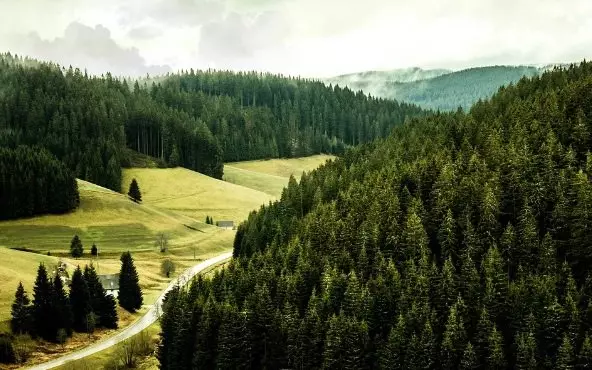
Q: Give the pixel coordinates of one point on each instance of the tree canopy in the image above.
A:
(460, 241)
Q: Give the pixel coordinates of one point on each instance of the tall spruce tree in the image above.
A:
(130, 293)
(80, 301)
(42, 311)
(62, 310)
(21, 312)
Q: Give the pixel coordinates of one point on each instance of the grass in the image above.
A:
(175, 202)
(18, 266)
(272, 175)
(284, 167)
(117, 224)
(194, 195)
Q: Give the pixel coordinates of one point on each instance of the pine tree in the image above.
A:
(76, 249)
(469, 358)
(61, 307)
(130, 293)
(42, 311)
(565, 355)
(526, 352)
(495, 351)
(80, 300)
(174, 159)
(584, 358)
(94, 251)
(108, 309)
(21, 311)
(134, 191)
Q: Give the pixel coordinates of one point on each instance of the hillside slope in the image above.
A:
(194, 195)
(446, 91)
(271, 176)
(461, 241)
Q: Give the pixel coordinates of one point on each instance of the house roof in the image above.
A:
(110, 282)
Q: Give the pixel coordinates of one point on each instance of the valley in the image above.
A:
(175, 203)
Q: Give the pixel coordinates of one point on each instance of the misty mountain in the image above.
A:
(444, 90)
(395, 75)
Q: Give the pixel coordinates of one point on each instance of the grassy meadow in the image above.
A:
(194, 195)
(271, 175)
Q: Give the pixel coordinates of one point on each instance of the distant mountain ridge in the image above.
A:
(395, 75)
(438, 89)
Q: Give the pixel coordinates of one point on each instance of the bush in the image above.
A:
(167, 267)
(22, 346)
(7, 352)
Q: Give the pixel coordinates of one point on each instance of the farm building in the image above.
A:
(225, 224)
(110, 284)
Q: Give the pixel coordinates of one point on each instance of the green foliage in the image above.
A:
(130, 293)
(80, 300)
(167, 267)
(34, 182)
(76, 249)
(134, 191)
(196, 120)
(458, 228)
(7, 351)
(444, 90)
(21, 312)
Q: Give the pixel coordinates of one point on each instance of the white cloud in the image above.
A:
(318, 38)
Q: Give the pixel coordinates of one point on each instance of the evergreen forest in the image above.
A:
(194, 119)
(461, 241)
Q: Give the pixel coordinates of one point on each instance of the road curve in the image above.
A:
(142, 323)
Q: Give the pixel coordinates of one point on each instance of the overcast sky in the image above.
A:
(312, 38)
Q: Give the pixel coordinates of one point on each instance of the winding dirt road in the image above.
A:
(142, 323)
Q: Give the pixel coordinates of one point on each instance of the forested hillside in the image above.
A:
(461, 241)
(256, 115)
(194, 119)
(446, 91)
(32, 181)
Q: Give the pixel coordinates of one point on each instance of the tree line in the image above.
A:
(461, 241)
(54, 315)
(32, 181)
(192, 119)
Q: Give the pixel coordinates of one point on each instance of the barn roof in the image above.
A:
(110, 282)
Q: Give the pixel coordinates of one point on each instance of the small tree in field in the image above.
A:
(162, 243)
(134, 191)
(167, 267)
(76, 249)
(94, 251)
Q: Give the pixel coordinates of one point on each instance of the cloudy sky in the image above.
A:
(312, 38)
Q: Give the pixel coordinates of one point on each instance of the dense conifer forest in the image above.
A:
(193, 119)
(32, 181)
(460, 241)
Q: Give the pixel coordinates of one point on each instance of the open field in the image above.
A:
(194, 195)
(272, 175)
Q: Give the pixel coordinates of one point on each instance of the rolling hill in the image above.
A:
(445, 90)
(271, 176)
